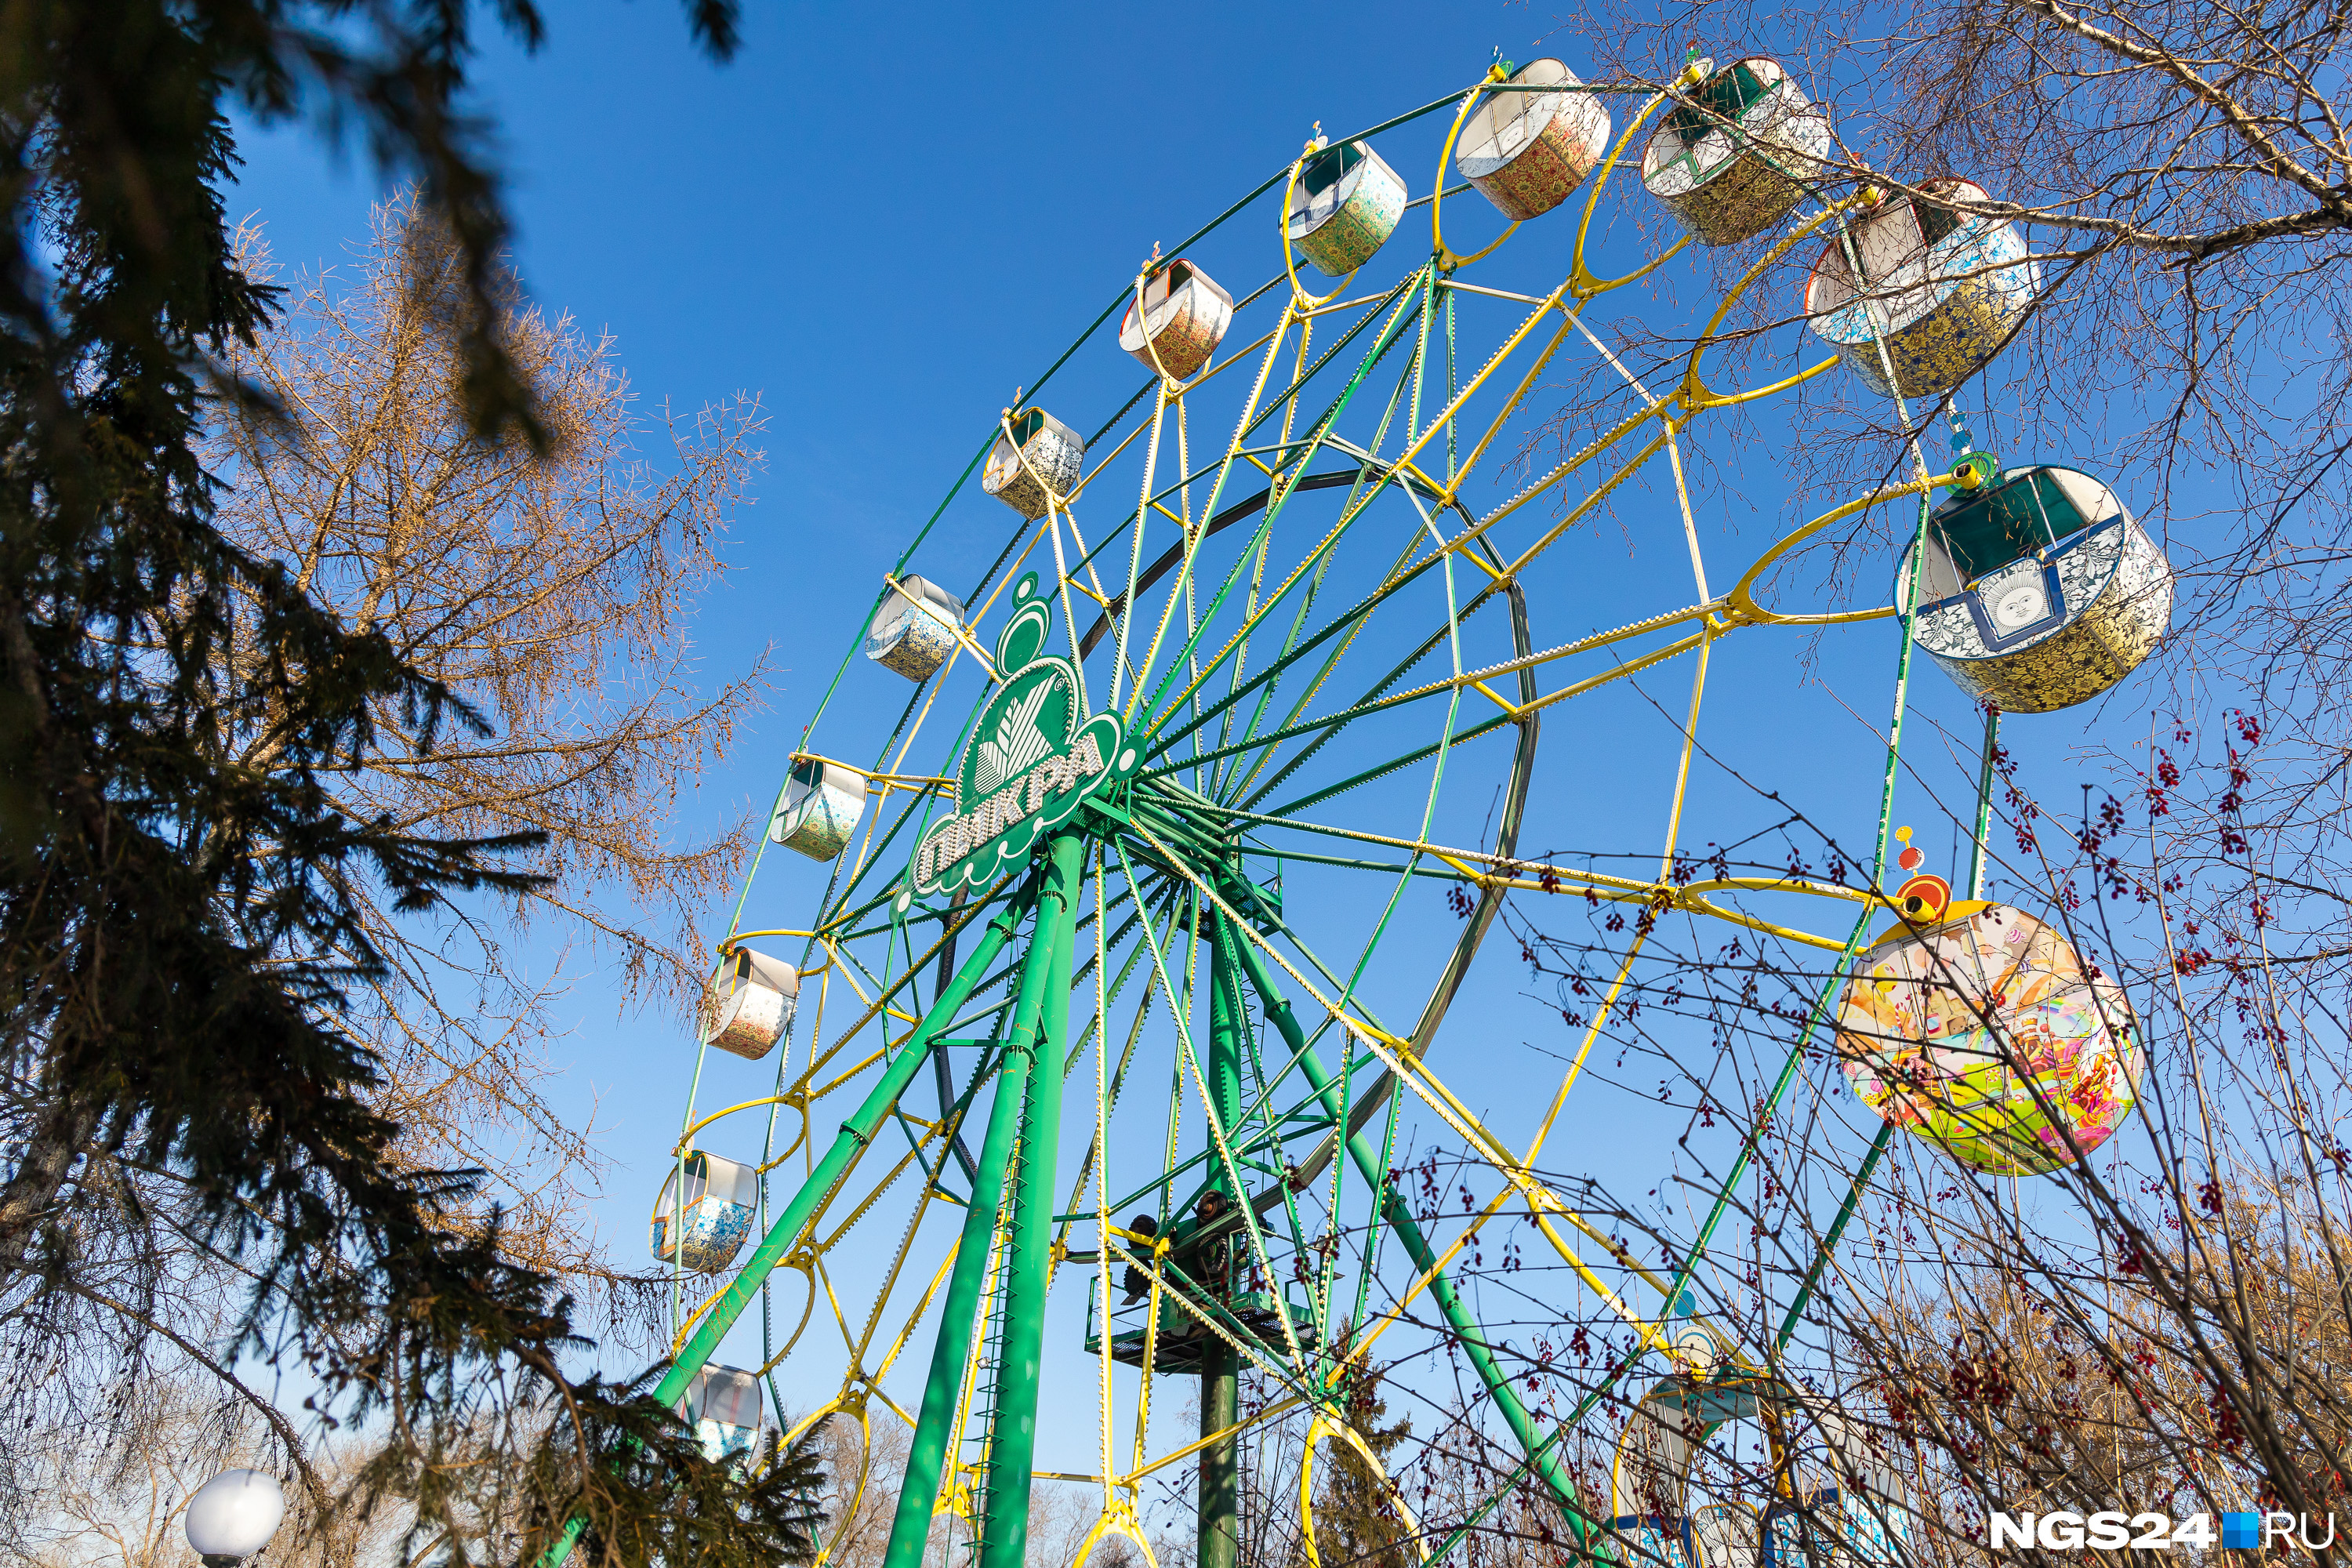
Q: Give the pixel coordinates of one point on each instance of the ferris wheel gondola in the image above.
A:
(2038, 590)
(1036, 459)
(1941, 289)
(1738, 154)
(1526, 150)
(699, 1222)
(1345, 205)
(1184, 316)
(915, 629)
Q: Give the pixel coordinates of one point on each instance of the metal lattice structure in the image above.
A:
(1166, 772)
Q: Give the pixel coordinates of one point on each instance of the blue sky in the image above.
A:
(882, 221)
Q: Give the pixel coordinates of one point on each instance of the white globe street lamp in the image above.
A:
(234, 1515)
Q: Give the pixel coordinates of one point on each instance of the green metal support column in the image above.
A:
(1400, 1220)
(1013, 1439)
(1219, 1516)
(847, 1144)
(911, 1528)
(1861, 1183)
(1984, 803)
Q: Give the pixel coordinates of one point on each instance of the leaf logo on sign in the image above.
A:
(1034, 759)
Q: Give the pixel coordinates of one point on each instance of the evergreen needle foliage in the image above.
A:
(178, 925)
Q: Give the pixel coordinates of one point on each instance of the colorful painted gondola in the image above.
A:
(1035, 464)
(2038, 590)
(700, 1225)
(1945, 288)
(1344, 206)
(821, 809)
(1738, 154)
(1526, 150)
(1982, 1031)
(749, 1003)
(1185, 314)
(914, 630)
(722, 1405)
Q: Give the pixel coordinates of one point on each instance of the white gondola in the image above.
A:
(701, 1226)
(914, 628)
(823, 803)
(1039, 465)
(1862, 1519)
(1344, 208)
(1185, 314)
(1725, 1535)
(1946, 288)
(722, 1405)
(1526, 151)
(2039, 590)
(1830, 1529)
(1737, 156)
(749, 1003)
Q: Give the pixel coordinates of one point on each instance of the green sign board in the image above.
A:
(1032, 760)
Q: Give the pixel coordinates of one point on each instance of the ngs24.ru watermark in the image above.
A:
(2112, 1531)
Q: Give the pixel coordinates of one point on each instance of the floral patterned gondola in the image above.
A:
(711, 1214)
(1528, 152)
(749, 1003)
(1039, 448)
(722, 1404)
(2039, 590)
(823, 803)
(1946, 288)
(1346, 205)
(1735, 159)
(1185, 314)
(914, 630)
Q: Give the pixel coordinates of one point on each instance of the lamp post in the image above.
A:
(233, 1516)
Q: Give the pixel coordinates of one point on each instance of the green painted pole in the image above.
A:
(1984, 803)
(1012, 1432)
(1219, 1509)
(1836, 1233)
(1465, 1325)
(911, 1528)
(855, 1132)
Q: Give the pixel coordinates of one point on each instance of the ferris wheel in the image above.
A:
(1108, 985)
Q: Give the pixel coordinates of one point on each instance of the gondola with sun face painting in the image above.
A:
(1980, 1029)
(2037, 590)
